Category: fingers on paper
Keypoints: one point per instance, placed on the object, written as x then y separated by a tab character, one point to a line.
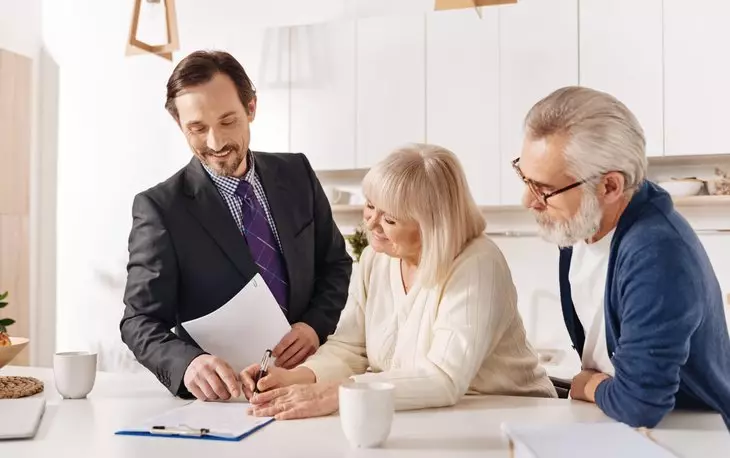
216	384
231	383
196	391
286	361
208	392
300	356
286	341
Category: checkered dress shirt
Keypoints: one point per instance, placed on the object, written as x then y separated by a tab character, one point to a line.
227	188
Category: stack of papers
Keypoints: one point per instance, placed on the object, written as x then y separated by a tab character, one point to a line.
594	440
202	420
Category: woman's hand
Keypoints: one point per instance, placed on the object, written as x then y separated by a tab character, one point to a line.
297	401
276	378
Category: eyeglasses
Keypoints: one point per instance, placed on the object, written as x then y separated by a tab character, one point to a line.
541	196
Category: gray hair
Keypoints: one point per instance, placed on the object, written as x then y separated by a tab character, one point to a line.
603	135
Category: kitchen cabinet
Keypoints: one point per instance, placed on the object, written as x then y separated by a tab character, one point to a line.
16	114
462	94
390	85
621	53
697	76
323	94
538	54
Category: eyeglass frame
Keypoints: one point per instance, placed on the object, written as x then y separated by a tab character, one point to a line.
532	186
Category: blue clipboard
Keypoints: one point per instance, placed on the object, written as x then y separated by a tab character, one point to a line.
193	434
190	418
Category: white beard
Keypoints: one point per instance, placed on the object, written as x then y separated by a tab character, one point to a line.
582	226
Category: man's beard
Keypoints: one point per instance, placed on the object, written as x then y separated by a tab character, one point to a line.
226	166
582	226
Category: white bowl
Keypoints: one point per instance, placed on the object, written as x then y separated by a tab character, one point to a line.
682	188
7	354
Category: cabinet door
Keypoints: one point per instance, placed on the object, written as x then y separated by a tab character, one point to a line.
697	77
264	54
390	85
323	94
538	54
621	53
462	94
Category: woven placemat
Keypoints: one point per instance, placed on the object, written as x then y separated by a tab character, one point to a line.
19	387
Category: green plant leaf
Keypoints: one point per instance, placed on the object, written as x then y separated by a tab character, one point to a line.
7	322
3	330
3	304
3	296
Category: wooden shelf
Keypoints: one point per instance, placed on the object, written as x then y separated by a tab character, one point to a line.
355	175
483	208
679	161
702	201
693	201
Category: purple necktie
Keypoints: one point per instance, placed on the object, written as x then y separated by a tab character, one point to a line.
262	244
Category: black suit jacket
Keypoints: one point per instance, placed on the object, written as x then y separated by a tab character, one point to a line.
187	258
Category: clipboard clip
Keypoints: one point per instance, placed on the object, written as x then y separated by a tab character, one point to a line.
181	430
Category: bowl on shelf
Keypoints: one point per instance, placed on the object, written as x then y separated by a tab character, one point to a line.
683	187
7	354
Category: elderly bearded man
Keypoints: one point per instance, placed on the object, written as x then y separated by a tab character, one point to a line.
640	299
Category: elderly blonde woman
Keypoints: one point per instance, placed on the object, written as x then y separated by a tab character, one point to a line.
432	309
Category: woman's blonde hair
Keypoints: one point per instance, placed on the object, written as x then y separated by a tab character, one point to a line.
426	184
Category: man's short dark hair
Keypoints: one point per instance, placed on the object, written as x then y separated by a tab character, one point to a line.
199	68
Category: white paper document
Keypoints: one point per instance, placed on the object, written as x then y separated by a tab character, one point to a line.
244	328
595	440
221	420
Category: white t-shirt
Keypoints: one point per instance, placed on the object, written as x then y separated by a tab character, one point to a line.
588	270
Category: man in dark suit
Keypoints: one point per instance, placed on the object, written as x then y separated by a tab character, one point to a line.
199	237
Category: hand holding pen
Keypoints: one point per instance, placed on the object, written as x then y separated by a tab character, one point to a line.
263	370
253	374
266	376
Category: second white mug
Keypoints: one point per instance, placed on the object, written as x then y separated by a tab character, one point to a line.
366	412
74	373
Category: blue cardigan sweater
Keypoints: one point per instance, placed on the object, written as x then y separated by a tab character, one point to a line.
665	324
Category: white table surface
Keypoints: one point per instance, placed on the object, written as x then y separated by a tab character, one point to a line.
85	428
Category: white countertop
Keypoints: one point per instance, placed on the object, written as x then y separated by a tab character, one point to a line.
85	428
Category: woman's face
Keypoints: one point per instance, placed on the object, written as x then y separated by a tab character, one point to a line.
399	239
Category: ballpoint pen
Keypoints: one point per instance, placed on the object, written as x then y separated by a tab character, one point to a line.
180	431
263	367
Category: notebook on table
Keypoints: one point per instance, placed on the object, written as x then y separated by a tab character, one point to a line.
20	418
224	421
594	440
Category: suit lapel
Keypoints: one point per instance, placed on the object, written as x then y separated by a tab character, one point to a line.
279	198
209	208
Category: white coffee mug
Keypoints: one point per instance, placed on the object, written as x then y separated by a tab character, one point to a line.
74	373
366	412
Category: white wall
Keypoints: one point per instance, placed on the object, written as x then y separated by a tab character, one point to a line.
20	26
